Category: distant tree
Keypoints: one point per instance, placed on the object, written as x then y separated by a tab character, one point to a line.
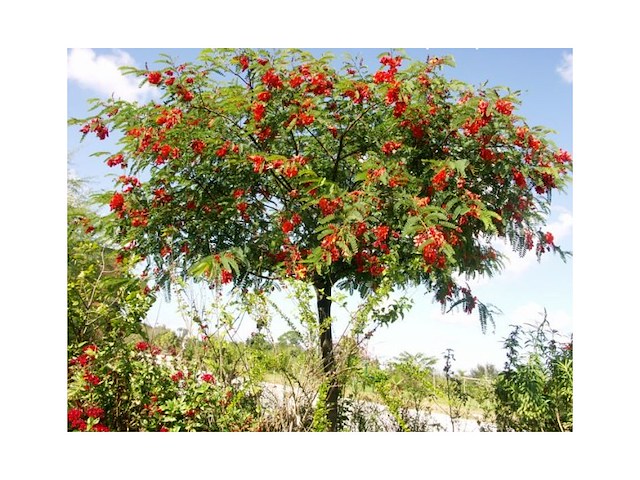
258	165
291	339
484	371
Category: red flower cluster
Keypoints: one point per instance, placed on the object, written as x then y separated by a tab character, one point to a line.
198	146
440	179
320	85
271	79
208	378
96	126
226	276
518	177
116	160
139	218
244	62
154	78
504	107
77	419
117	202
390	148
487	154
327	207
142	346
91	379
431	242
258	110
359	93
169	118
387	76
161	197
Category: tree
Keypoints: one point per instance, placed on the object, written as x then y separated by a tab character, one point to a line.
257	166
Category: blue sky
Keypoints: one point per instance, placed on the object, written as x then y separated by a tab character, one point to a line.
521	292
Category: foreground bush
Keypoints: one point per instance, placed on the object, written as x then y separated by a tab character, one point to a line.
535	391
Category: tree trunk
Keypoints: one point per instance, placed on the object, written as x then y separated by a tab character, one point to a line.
323	292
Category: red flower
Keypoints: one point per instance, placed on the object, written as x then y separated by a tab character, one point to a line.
487	154
327	207
271	79
165	250
258	110
440	179
91	379
154	77
504	106
392	63
562	156
116	160
320	85
482	107
287	226
208	378
244	62
264	96
198	146
176	377
548	238
296	81
242	207
117	201
100	428
399	109
534	143
142	346
95	412
391	147
518	177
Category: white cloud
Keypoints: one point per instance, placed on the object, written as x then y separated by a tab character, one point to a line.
565	70
101	74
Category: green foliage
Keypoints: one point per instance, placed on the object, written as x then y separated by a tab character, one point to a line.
535	390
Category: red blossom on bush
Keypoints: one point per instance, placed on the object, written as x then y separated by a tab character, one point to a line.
258	110
142	346
117	202
208	378
244	62
198	146
504	106
154	77
391	147
226	276
95	412
91	378
271	79
518	177
116	160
